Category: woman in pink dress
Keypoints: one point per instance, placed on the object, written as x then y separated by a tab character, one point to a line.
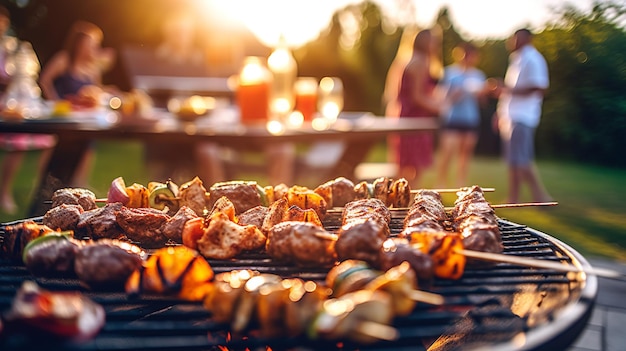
414	153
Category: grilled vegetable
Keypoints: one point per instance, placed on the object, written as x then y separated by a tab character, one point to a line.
62	314
175	270
161	195
306	198
117	191
138	196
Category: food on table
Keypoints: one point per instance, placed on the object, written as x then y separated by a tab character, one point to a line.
107	264
67	314
163	195
303	243
175	270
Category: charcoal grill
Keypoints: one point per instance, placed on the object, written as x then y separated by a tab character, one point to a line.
504	307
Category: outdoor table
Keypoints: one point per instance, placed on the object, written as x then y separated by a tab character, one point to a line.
359	132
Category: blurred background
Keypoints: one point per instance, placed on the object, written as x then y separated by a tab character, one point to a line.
579	142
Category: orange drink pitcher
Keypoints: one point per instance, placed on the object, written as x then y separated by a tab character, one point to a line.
253	91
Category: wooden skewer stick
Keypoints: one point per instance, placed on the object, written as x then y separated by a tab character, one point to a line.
326	236
537	263
377	330
425	296
452	190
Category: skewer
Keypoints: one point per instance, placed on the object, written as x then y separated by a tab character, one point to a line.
426	297
377	330
521	204
451	190
537	263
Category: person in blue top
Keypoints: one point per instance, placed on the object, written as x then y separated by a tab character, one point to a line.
463	86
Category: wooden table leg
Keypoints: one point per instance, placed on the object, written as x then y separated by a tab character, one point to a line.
63	162
355	152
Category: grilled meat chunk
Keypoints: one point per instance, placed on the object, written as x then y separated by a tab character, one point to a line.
224	239
172	229
193	195
52	257
74	196
254	216
337	192
366	208
243	194
63	217
107	264
361	240
143	225
100	223
303	243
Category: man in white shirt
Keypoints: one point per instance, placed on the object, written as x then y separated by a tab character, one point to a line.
519	112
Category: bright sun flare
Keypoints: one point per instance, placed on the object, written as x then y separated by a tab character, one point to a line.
297	21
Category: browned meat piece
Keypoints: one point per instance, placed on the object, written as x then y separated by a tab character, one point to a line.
382	187
243	194
143	225
52	257
173	228
280	191
74	196
366	208
107	264
399	194
63	217
472	221
254	216
100	223
224	239
362	191
464	209
275	214
361	240
303	243
473	193
224	205
193	195
337	192
17	236
422	222
396	250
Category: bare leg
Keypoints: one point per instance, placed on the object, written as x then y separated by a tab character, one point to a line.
537	188
466	151
515	180
448	143
10	166
280	162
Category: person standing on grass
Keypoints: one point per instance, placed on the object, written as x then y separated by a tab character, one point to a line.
519	112
417	98
465	89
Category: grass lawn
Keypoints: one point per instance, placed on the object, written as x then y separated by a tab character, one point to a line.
590	217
